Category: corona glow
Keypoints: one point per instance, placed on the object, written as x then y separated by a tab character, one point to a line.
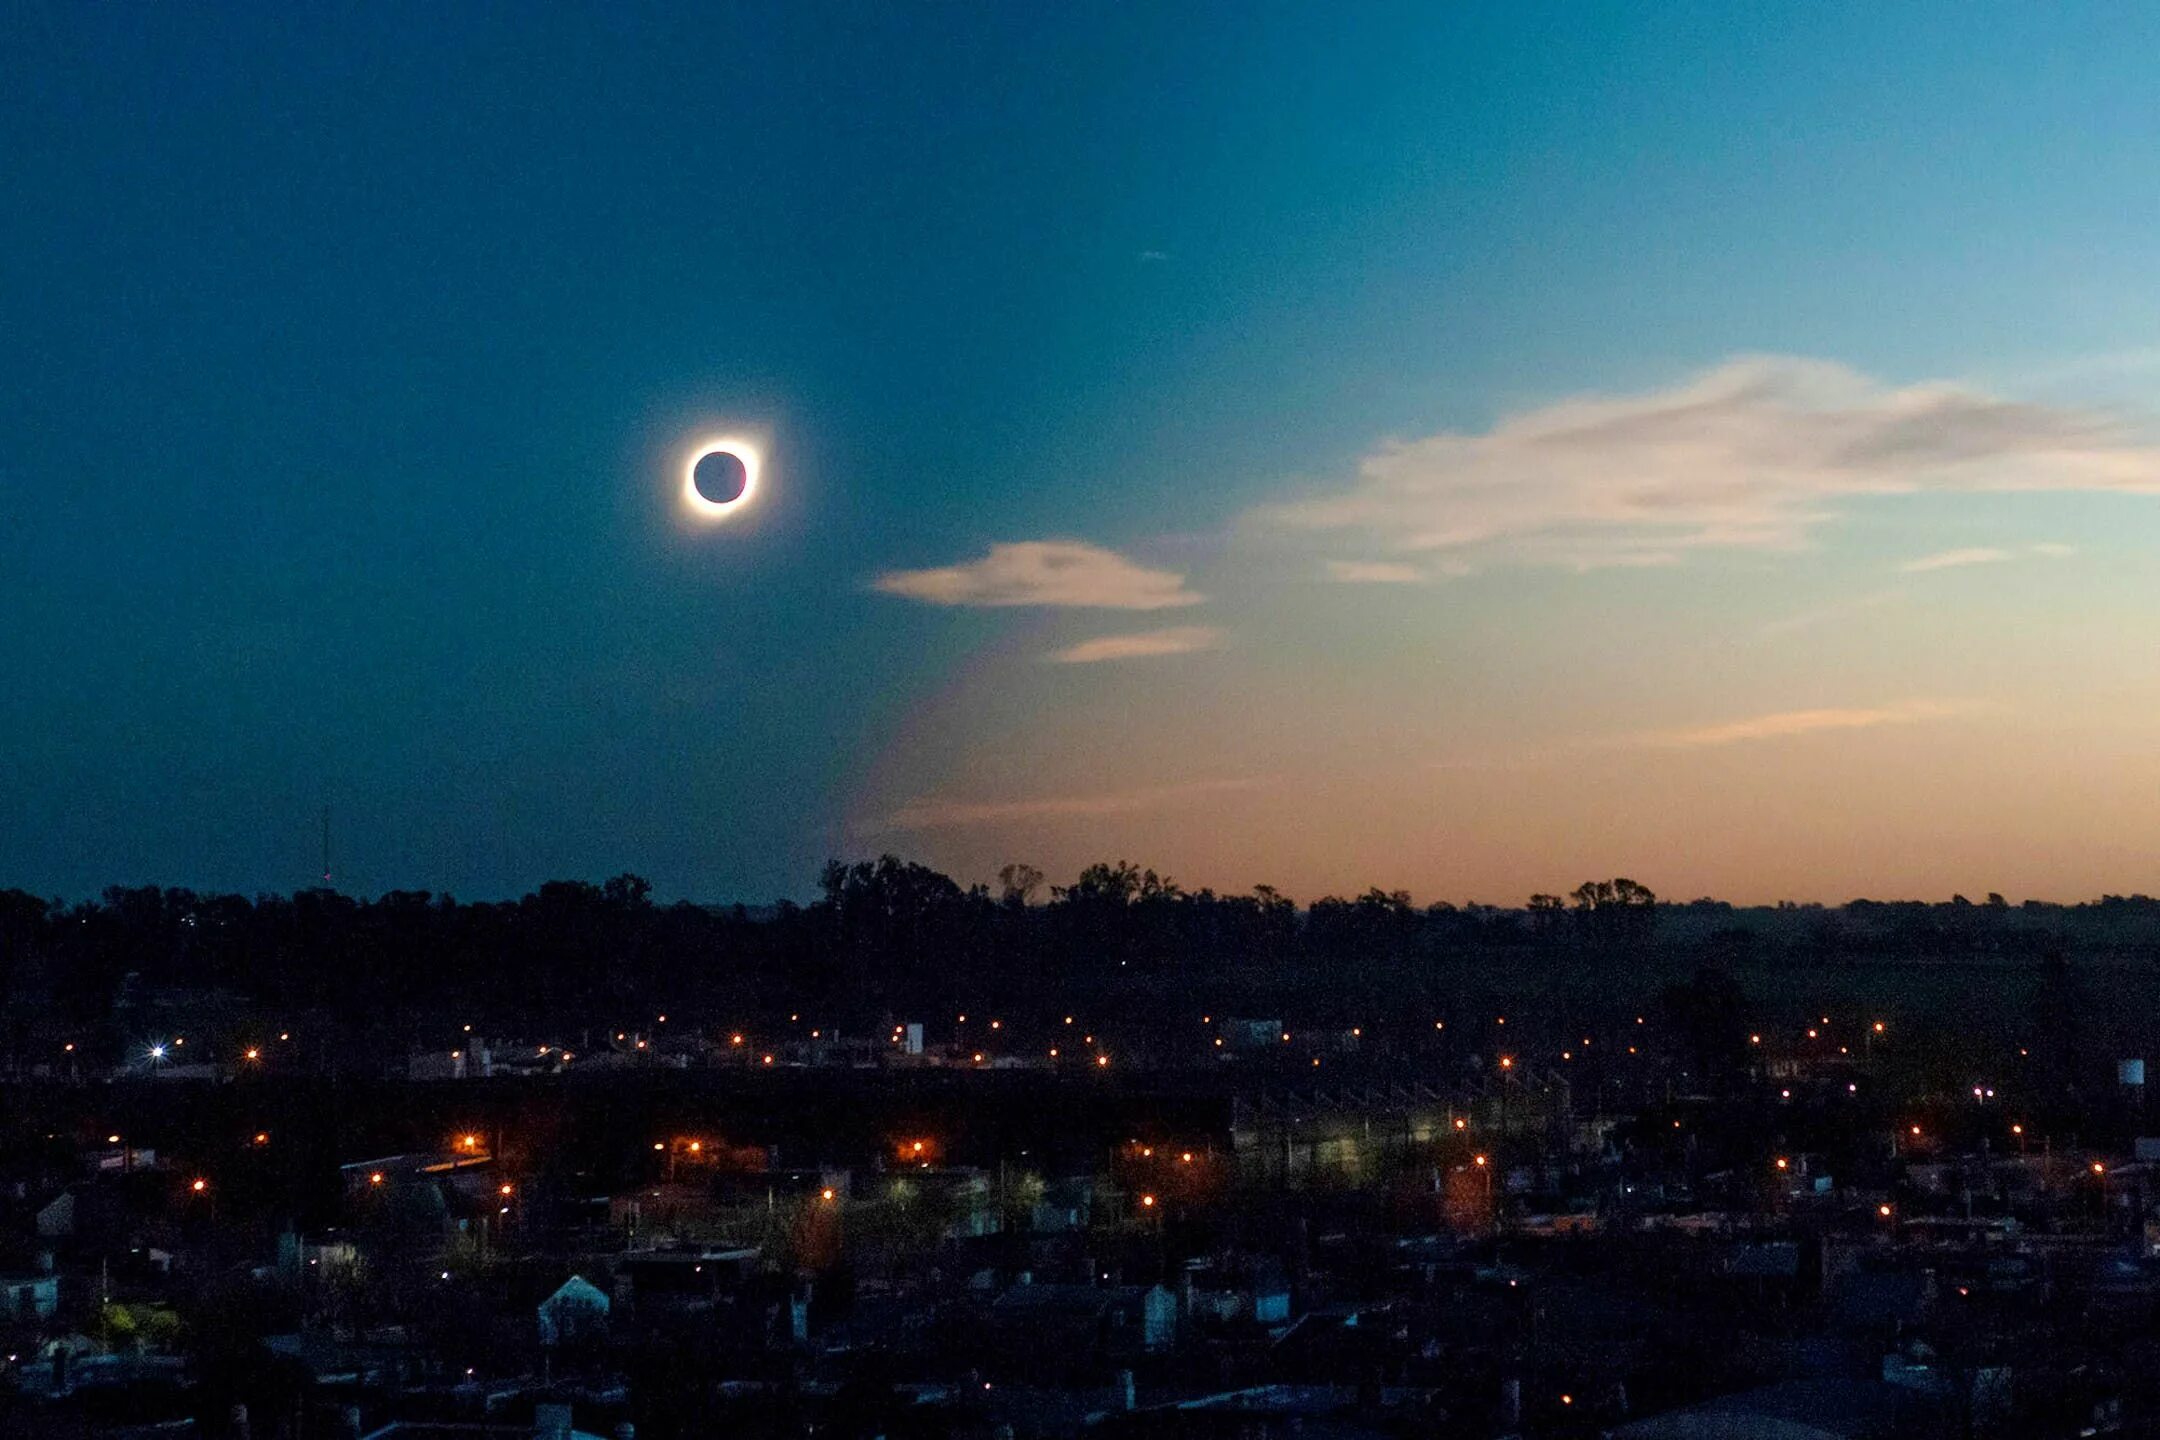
744	452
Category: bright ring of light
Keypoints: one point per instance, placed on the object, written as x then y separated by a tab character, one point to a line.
743	451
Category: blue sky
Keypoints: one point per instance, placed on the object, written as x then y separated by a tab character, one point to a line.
349	354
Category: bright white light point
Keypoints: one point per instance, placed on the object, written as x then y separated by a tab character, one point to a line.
743	450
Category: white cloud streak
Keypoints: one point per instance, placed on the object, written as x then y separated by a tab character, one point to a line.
1755	454
1375	572
1784	724
1956	560
1825	614
939	814
1176	640
1058	573
1752	729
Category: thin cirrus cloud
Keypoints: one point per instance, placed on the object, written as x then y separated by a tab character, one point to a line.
1827	614
1784	724
1757	453
939	814
1956	559
1752	729
1374	572
1055	573
1983	555
1147	644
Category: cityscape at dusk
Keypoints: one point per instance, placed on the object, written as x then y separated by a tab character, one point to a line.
1093	721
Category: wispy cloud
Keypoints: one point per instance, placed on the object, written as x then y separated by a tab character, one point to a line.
1956	559
938	814
1784	724
1375	572
1776	725
1153	257
1756	454
1064	573
1985	555
1825	614
1176	640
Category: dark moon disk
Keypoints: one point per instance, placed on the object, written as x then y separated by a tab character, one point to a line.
720	478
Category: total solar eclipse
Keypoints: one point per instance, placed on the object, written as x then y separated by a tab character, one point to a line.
720	478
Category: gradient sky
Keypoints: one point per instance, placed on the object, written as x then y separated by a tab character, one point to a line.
1469	452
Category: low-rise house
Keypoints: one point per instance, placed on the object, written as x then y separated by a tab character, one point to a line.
577	1311
29	1298
56	1217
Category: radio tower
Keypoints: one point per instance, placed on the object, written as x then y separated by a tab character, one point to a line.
326	845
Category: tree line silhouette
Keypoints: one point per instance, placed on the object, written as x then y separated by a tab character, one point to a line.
888	935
